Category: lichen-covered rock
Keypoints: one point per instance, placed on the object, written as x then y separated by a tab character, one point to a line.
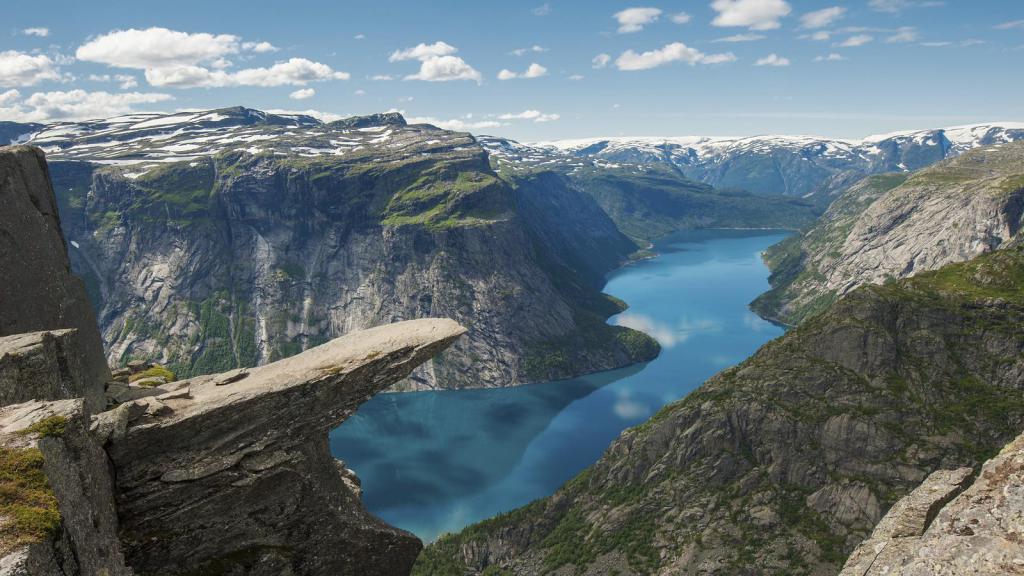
39	290
950	526
235	474
57	513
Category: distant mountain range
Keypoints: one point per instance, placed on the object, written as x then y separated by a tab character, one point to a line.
788	165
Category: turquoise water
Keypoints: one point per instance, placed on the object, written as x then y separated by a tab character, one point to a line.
434	462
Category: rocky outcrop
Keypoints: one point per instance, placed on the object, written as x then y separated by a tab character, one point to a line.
232	473
895	226
950	525
39	290
243	256
57	515
784	463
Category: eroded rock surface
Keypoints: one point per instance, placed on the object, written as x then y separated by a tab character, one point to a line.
950	526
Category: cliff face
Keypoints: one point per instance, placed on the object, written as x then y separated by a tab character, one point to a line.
221	474
39	291
241	258
894	226
783	464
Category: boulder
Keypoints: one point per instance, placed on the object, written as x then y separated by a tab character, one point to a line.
39	290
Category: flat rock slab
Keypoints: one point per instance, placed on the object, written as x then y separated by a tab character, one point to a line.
234	472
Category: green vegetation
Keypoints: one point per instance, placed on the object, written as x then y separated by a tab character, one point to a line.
25	498
49	427
155	371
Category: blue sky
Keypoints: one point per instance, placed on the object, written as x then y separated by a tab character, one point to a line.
682	67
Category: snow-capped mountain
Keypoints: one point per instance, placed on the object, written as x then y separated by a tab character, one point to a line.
792	165
151	139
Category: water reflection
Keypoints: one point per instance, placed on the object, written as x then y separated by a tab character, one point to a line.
433	462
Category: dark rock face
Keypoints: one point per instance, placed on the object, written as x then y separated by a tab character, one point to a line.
783	464
40	292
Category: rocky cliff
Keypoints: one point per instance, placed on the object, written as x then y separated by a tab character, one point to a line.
235	238
897	225
222	474
952	524
783	464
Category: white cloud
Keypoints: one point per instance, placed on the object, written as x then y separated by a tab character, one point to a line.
772	60
293	72
820	36
741	38
674	52
681	18
576	77
382	77
533	71
436	63
893	6
600	61
534	48
753	14
961	43
21	69
359	37
40	32
854	41
903	34
1010	25
73	105
542	10
360	92
125	81
444	69
9	97
822	18
634	19
457	124
259	47
833	57
302	94
534	115
157	48
423	52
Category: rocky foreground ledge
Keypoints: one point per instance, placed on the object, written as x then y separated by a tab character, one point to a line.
952	524
223	474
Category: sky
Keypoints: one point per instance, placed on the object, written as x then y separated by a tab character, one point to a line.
529	70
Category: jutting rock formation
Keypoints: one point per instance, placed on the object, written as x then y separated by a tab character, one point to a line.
221	474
